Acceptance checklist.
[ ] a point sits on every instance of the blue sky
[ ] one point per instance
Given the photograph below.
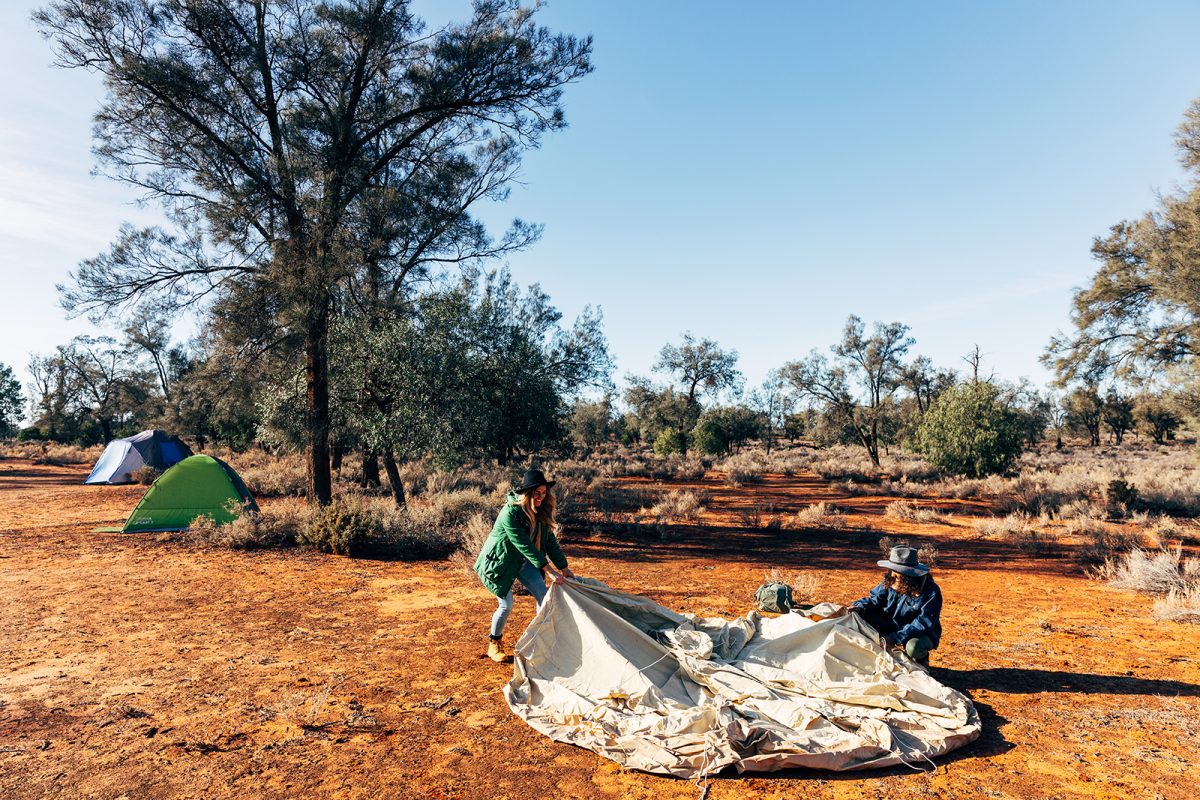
(752, 173)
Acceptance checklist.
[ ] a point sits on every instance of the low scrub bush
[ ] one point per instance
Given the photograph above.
(145, 475)
(1102, 542)
(805, 585)
(1015, 524)
(1180, 605)
(277, 526)
(52, 453)
(364, 527)
(821, 515)
(904, 510)
(474, 533)
(1158, 572)
(269, 475)
(760, 515)
(678, 506)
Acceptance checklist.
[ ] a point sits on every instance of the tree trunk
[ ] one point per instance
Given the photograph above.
(316, 373)
(105, 429)
(393, 473)
(337, 453)
(370, 470)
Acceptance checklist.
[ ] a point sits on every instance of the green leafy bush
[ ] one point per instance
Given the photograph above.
(670, 440)
(345, 528)
(970, 431)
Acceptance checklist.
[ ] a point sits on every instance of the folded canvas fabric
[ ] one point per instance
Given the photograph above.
(679, 695)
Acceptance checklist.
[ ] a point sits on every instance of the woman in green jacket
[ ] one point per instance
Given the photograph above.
(521, 547)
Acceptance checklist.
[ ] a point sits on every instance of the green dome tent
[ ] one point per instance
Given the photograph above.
(195, 487)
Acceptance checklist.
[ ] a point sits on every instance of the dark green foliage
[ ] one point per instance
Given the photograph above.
(1085, 412)
(1157, 418)
(1117, 415)
(1141, 311)
(10, 401)
(345, 529)
(970, 431)
(725, 428)
(311, 156)
(1121, 496)
(668, 441)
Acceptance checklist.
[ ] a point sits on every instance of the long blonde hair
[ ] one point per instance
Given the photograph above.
(543, 518)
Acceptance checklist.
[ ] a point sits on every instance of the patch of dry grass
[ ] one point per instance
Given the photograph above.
(678, 506)
(1157, 572)
(805, 585)
(910, 512)
(819, 515)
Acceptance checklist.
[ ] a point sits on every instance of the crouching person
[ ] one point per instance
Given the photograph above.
(906, 607)
(521, 547)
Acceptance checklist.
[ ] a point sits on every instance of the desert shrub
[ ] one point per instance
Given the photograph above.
(1102, 542)
(742, 468)
(277, 526)
(268, 475)
(1180, 605)
(819, 515)
(805, 585)
(363, 527)
(678, 506)
(1121, 496)
(907, 511)
(145, 475)
(685, 469)
(348, 526)
(474, 533)
(760, 515)
(55, 454)
(970, 431)
(1018, 529)
(1015, 524)
(1159, 572)
(670, 440)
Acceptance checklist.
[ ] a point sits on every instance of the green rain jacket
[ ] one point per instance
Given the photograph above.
(509, 545)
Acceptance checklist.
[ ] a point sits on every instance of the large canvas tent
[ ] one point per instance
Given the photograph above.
(195, 487)
(685, 696)
(123, 457)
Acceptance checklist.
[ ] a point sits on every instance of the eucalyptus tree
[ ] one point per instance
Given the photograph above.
(294, 143)
(1140, 313)
(11, 401)
(857, 385)
(699, 366)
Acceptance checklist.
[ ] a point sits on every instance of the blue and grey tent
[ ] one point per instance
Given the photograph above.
(123, 457)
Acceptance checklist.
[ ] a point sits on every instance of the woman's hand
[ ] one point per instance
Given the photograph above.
(566, 572)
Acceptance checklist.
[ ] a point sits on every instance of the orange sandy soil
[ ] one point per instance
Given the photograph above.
(137, 667)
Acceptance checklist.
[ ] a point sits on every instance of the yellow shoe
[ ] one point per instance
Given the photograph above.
(495, 653)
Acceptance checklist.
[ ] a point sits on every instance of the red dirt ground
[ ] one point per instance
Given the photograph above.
(132, 666)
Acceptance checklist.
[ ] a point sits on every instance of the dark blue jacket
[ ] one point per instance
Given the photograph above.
(899, 617)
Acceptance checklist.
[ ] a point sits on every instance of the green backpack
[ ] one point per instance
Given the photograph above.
(775, 597)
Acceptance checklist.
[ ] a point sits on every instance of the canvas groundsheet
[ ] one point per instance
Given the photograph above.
(680, 695)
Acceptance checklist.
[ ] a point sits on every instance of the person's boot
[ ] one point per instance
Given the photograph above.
(495, 651)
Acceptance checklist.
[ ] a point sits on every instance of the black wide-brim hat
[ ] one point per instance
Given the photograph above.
(904, 560)
(533, 479)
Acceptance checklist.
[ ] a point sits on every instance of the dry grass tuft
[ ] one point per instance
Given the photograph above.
(1159, 572)
(909, 512)
(805, 585)
(678, 506)
(819, 515)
